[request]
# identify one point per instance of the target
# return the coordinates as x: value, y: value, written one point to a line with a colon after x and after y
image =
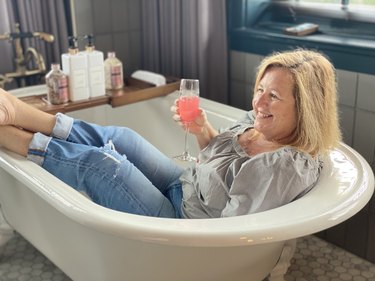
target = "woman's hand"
x: 200, y: 126
x: 196, y: 127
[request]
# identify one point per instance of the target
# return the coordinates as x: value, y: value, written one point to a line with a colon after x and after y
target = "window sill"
x: 346, y: 52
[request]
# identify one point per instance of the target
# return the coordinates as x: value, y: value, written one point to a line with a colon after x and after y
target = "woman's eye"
x: 274, y: 96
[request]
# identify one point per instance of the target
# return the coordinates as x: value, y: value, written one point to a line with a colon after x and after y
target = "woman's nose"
x: 260, y: 99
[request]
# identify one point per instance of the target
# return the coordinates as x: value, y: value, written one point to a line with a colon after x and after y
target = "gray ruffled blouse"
x: 228, y: 182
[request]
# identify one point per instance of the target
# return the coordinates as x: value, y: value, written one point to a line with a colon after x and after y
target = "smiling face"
x: 275, y: 106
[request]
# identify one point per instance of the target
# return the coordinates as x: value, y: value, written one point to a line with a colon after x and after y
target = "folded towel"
x: 149, y: 77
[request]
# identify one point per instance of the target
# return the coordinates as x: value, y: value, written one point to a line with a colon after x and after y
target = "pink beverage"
x: 188, y: 108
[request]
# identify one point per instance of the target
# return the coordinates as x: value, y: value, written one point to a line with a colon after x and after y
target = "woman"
x: 266, y: 160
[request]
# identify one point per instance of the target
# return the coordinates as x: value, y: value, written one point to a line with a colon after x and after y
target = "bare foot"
x: 7, y: 111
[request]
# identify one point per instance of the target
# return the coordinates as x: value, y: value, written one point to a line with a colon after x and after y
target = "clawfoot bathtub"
x: 92, y: 243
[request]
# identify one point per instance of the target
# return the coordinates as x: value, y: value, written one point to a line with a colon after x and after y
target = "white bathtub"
x: 92, y: 243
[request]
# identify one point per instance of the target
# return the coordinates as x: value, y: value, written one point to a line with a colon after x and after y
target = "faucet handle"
x: 19, y: 35
x: 44, y: 36
x: 5, y: 36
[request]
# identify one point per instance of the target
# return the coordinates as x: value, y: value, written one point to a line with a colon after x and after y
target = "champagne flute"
x: 188, y: 107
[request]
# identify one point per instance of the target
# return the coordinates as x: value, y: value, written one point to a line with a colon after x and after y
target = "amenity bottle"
x: 114, y: 77
x: 74, y: 64
x: 95, y: 68
x: 57, y: 85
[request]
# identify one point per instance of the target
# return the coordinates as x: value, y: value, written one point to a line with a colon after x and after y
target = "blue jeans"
x: 114, y: 166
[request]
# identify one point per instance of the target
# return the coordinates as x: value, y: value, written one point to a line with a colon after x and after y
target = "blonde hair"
x: 315, y: 93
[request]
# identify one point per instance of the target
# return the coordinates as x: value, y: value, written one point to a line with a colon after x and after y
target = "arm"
x: 200, y: 127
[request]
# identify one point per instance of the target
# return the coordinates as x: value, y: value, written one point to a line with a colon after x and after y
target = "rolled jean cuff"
x: 63, y: 126
x: 37, y: 148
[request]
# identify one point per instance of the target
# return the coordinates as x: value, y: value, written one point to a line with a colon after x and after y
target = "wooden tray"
x: 134, y: 91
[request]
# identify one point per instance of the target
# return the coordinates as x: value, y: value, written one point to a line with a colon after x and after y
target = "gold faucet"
x: 24, y: 59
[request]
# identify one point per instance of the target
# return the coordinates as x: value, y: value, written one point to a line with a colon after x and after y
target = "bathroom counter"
x: 134, y: 91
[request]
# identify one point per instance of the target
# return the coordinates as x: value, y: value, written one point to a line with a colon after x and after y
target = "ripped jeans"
x: 114, y: 166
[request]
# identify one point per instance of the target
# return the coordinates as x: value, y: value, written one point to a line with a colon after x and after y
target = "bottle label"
x: 116, y: 77
x: 96, y: 75
x: 63, y: 89
x: 78, y: 78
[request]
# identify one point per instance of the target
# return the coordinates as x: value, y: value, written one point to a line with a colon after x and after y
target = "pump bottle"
x: 95, y: 67
x: 74, y: 64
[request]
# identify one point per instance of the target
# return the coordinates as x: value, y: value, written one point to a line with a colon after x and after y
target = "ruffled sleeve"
x: 270, y: 180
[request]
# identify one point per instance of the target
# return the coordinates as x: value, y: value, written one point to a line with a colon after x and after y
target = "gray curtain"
x: 34, y: 16
x: 187, y: 39
x: 45, y: 16
x: 6, y: 50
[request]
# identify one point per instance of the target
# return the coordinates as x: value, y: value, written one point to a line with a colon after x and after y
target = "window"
x: 352, y: 10
x: 362, y: 2
x: 353, y: 3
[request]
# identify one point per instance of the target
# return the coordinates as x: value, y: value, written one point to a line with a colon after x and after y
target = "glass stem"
x: 186, y: 151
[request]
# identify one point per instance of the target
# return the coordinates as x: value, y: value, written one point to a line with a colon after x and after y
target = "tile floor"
x: 314, y: 260
x: 318, y: 260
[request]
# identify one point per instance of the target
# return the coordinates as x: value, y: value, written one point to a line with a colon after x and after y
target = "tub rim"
x: 264, y: 227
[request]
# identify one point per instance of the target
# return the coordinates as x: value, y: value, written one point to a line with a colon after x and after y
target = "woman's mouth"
x: 263, y: 115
